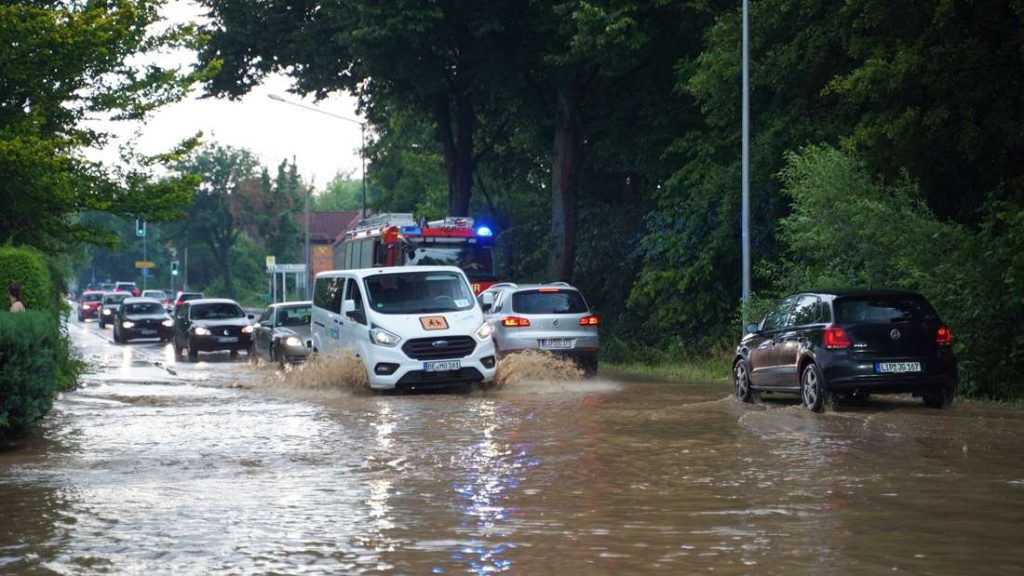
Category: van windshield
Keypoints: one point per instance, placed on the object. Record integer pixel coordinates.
(419, 293)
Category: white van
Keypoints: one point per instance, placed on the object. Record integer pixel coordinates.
(413, 327)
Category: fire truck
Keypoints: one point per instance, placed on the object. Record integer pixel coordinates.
(399, 240)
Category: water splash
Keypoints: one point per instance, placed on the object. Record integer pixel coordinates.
(534, 366)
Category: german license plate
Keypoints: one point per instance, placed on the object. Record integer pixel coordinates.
(556, 343)
(442, 366)
(147, 332)
(897, 367)
(227, 339)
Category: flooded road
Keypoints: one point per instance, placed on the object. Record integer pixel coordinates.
(161, 467)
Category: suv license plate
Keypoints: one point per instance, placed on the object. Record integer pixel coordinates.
(442, 366)
(556, 343)
(897, 367)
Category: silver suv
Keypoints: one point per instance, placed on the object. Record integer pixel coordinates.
(552, 317)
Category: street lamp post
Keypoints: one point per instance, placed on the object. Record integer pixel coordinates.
(745, 161)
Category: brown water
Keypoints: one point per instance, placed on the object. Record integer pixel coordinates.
(225, 468)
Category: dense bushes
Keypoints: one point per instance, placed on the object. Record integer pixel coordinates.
(30, 350)
(35, 355)
(848, 230)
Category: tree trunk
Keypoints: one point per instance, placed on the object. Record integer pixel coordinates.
(565, 171)
(457, 145)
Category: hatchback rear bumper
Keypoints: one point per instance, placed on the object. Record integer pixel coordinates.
(850, 372)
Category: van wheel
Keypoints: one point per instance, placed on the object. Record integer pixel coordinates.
(812, 388)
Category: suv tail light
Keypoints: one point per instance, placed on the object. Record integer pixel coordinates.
(944, 336)
(836, 338)
(590, 320)
(515, 322)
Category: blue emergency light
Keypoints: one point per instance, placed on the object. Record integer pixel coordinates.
(484, 231)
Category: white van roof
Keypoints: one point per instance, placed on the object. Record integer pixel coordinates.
(364, 272)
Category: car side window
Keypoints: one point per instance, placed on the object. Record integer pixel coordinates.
(499, 301)
(352, 292)
(776, 319)
(266, 317)
(806, 311)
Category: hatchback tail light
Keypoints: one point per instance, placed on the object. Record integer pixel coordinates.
(944, 336)
(515, 322)
(836, 338)
(590, 321)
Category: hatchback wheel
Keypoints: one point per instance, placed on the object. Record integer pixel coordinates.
(812, 388)
(741, 381)
(193, 354)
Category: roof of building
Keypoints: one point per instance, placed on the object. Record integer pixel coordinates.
(325, 227)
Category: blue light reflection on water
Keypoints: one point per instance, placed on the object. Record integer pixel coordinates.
(491, 468)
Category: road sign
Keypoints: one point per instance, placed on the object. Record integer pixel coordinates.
(271, 261)
(144, 264)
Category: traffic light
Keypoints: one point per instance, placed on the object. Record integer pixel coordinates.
(140, 228)
(174, 267)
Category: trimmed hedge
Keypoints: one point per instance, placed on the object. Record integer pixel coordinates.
(29, 269)
(31, 350)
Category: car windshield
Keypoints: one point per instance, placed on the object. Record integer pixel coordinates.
(217, 311)
(143, 308)
(154, 294)
(475, 260)
(548, 301)
(185, 297)
(294, 316)
(883, 309)
(115, 298)
(92, 297)
(419, 293)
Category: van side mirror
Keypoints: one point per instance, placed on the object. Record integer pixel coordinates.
(754, 328)
(348, 307)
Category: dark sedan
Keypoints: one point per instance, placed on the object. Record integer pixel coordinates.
(832, 345)
(109, 306)
(282, 332)
(211, 325)
(142, 318)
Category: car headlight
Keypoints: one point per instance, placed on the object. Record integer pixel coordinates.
(106, 311)
(384, 337)
(484, 331)
(247, 330)
(292, 341)
(127, 324)
(168, 322)
(200, 331)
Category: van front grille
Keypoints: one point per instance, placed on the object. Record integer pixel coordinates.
(441, 348)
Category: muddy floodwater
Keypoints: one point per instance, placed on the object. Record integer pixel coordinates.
(220, 467)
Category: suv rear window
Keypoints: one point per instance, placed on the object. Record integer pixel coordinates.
(548, 301)
(883, 309)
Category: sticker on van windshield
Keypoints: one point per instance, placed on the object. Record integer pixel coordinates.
(433, 323)
(462, 303)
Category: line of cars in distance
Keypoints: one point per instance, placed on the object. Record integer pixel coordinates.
(421, 327)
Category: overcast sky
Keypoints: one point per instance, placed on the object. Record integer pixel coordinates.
(274, 131)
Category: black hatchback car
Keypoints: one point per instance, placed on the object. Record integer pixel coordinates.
(833, 345)
(210, 325)
(142, 318)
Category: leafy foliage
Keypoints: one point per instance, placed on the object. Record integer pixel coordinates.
(29, 355)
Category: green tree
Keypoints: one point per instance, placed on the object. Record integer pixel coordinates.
(343, 193)
(212, 220)
(65, 63)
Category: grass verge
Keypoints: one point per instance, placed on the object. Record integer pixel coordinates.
(711, 368)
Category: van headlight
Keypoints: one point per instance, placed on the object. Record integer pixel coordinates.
(384, 337)
(484, 331)
(200, 331)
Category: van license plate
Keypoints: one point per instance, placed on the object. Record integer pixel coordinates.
(897, 367)
(442, 366)
(556, 343)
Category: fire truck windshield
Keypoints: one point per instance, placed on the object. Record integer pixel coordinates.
(476, 261)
